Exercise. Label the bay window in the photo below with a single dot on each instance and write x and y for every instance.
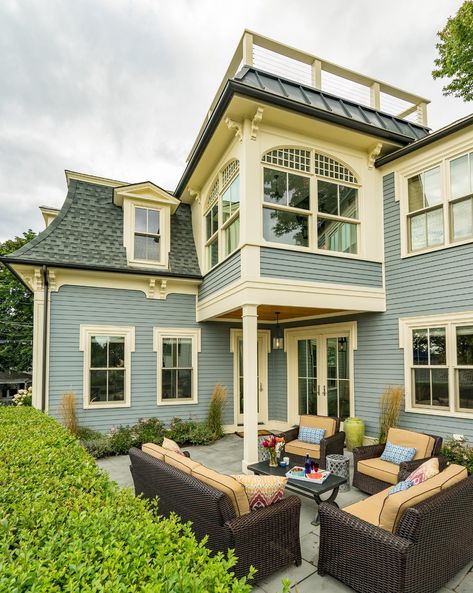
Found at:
(314, 205)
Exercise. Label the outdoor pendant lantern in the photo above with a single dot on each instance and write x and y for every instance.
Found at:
(278, 338)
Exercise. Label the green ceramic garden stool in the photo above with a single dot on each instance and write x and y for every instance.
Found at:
(355, 432)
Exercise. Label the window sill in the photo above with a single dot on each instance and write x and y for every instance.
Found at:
(315, 251)
(106, 406)
(177, 402)
(139, 263)
(406, 255)
(436, 412)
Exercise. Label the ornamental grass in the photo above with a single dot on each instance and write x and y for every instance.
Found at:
(64, 527)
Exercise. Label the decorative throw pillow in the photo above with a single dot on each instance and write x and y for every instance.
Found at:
(311, 435)
(171, 445)
(427, 470)
(262, 491)
(397, 454)
(401, 486)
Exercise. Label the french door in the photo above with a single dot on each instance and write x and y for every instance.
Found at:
(320, 373)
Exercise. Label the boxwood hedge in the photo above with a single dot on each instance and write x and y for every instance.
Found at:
(64, 527)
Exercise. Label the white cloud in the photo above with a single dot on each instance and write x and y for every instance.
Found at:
(119, 88)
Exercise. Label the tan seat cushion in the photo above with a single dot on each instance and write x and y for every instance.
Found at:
(369, 509)
(422, 443)
(300, 448)
(227, 484)
(154, 450)
(379, 469)
(395, 505)
(326, 422)
(179, 461)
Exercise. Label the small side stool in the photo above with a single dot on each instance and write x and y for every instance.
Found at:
(263, 453)
(339, 465)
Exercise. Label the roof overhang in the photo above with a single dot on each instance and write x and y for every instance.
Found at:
(146, 191)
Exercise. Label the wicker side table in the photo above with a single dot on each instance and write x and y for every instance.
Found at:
(339, 465)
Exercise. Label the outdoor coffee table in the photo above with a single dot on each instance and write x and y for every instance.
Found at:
(310, 489)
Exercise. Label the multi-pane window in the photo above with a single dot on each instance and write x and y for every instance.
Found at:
(328, 220)
(222, 217)
(147, 235)
(440, 205)
(177, 364)
(440, 365)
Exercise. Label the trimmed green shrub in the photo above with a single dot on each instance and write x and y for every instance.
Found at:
(190, 432)
(64, 527)
(148, 431)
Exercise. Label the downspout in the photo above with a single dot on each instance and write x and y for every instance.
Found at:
(45, 337)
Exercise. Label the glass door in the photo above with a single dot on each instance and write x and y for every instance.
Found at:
(337, 380)
(261, 378)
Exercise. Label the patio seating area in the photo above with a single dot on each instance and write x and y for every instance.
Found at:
(225, 456)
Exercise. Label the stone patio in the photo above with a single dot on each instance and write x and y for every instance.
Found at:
(225, 456)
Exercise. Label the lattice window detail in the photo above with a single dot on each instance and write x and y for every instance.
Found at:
(328, 167)
(292, 158)
(213, 193)
(229, 172)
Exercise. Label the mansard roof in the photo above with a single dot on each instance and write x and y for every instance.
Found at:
(88, 234)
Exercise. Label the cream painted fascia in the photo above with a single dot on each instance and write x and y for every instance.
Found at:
(177, 332)
(145, 192)
(291, 293)
(448, 320)
(70, 175)
(49, 214)
(154, 287)
(86, 332)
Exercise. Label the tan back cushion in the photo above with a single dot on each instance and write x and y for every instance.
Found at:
(422, 443)
(395, 505)
(232, 488)
(179, 461)
(319, 422)
(154, 450)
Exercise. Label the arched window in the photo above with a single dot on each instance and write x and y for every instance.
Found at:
(222, 214)
(310, 200)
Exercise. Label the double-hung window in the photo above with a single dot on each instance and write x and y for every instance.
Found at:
(425, 207)
(147, 235)
(461, 197)
(107, 365)
(310, 200)
(222, 216)
(439, 363)
(177, 364)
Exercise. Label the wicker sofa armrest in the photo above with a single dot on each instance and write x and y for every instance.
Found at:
(268, 538)
(291, 434)
(407, 467)
(367, 452)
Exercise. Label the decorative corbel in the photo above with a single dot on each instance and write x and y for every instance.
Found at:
(151, 288)
(195, 195)
(255, 122)
(37, 280)
(162, 289)
(233, 125)
(374, 154)
(52, 281)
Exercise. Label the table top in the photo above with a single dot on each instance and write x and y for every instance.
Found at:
(330, 483)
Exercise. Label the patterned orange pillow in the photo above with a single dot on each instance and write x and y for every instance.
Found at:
(262, 491)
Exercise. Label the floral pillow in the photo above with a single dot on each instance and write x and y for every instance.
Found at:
(171, 445)
(311, 435)
(427, 470)
(397, 454)
(262, 491)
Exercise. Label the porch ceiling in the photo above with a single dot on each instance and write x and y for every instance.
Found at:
(268, 313)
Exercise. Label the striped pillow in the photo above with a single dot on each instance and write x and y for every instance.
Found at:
(311, 435)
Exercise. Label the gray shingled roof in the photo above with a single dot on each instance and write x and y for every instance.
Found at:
(329, 103)
(88, 232)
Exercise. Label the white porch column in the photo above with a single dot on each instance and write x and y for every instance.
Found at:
(250, 385)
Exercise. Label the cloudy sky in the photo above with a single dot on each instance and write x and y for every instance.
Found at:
(119, 88)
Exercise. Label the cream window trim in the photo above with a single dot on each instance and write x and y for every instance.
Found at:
(86, 333)
(159, 333)
(129, 209)
(449, 321)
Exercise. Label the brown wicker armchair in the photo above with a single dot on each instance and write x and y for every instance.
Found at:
(369, 470)
(431, 543)
(266, 538)
(332, 443)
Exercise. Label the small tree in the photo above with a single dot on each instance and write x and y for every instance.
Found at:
(455, 49)
(16, 314)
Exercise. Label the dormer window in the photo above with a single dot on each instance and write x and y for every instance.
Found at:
(147, 234)
(222, 217)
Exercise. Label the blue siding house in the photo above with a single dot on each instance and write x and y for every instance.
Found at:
(317, 249)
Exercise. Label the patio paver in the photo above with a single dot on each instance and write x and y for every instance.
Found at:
(225, 456)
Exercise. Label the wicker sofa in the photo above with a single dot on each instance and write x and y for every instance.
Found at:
(332, 443)
(411, 542)
(371, 474)
(266, 538)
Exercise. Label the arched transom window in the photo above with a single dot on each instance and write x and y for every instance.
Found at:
(222, 215)
(310, 200)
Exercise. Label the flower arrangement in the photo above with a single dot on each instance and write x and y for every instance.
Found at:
(24, 397)
(274, 445)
